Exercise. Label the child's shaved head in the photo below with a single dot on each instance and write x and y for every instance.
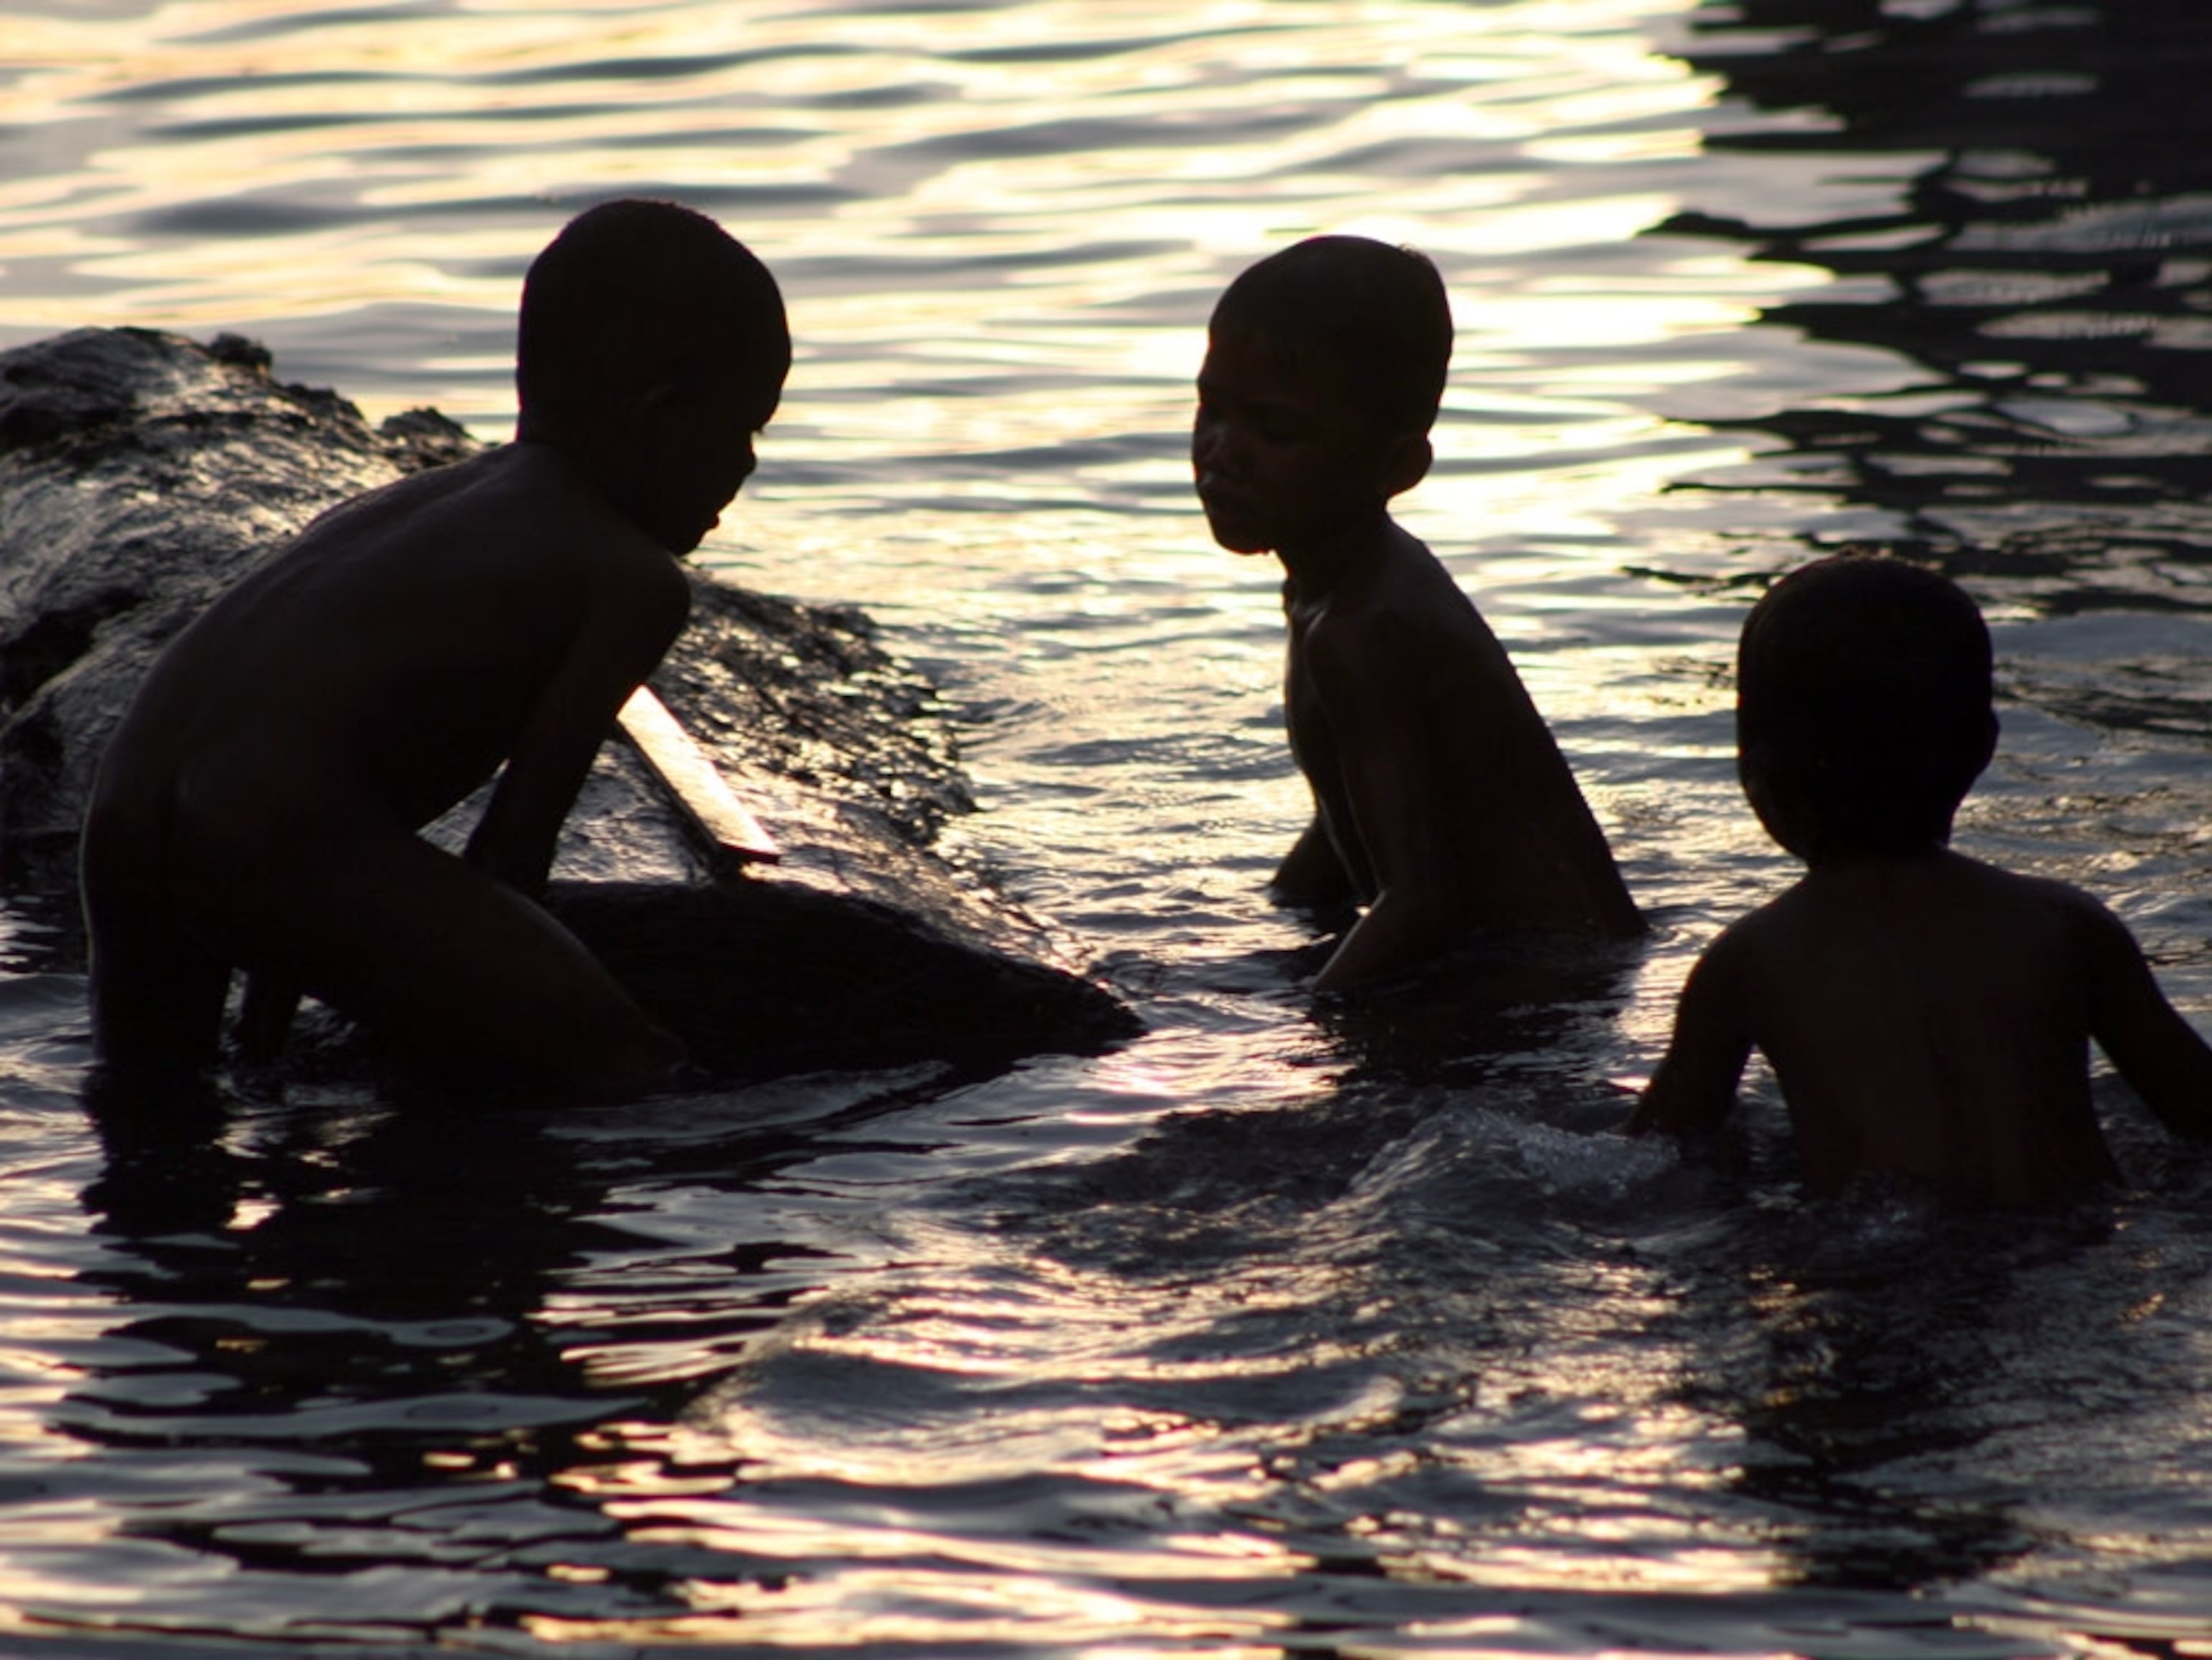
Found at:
(633, 294)
(1371, 321)
(1863, 711)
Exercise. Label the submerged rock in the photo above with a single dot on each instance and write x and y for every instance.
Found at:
(141, 474)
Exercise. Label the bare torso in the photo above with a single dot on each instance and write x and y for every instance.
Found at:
(1929, 1017)
(1431, 770)
(383, 665)
(257, 808)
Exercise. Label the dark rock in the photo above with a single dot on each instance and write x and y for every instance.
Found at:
(141, 474)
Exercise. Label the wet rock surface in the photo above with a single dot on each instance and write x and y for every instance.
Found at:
(142, 473)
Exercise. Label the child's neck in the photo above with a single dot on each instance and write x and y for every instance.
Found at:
(1894, 859)
(616, 474)
(1324, 563)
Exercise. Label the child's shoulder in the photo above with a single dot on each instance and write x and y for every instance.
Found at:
(1938, 902)
(2017, 892)
(1397, 555)
(1407, 598)
(1772, 931)
(1910, 881)
(515, 503)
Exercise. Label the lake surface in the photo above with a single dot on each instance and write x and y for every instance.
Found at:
(1278, 1331)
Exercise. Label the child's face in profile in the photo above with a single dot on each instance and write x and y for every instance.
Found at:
(1279, 461)
(703, 454)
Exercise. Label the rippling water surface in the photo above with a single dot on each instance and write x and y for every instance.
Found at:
(1277, 1330)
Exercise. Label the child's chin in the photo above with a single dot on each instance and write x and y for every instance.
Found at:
(1239, 540)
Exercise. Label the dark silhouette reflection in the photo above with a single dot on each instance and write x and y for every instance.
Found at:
(1462, 1020)
(1900, 1370)
(378, 1326)
(2047, 273)
(1919, 1384)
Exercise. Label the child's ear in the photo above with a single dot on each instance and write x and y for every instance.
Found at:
(1406, 460)
(650, 405)
(656, 419)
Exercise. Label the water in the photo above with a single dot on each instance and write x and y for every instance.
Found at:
(1276, 1332)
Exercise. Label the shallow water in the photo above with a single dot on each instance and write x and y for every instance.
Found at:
(1275, 1332)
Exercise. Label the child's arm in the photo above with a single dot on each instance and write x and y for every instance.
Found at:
(2158, 1052)
(628, 633)
(1694, 1089)
(1311, 873)
(1376, 733)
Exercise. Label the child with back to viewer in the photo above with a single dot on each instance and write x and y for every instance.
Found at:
(1926, 1015)
(257, 807)
(1442, 802)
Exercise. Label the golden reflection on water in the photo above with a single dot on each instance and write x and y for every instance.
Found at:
(1000, 232)
(491, 104)
(875, 1463)
(835, 1612)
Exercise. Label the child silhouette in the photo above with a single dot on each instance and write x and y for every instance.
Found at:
(1927, 1016)
(1442, 802)
(257, 807)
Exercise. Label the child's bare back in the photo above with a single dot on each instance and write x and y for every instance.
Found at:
(388, 661)
(1927, 1016)
(1930, 1018)
(257, 807)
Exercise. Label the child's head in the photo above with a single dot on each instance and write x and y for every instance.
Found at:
(1364, 323)
(1325, 365)
(634, 294)
(1863, 711)
(652, 346)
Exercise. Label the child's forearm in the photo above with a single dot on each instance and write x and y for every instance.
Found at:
(1390, 939)
(2165, 1062)
(526, 870)
(1693, 1089)
(1668, 1106)
(515, 840)
(2159, 1052)
(1312, 873)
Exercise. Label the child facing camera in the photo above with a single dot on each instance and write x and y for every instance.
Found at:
(1442, 803)
(1927, 1016)
(257, 809)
